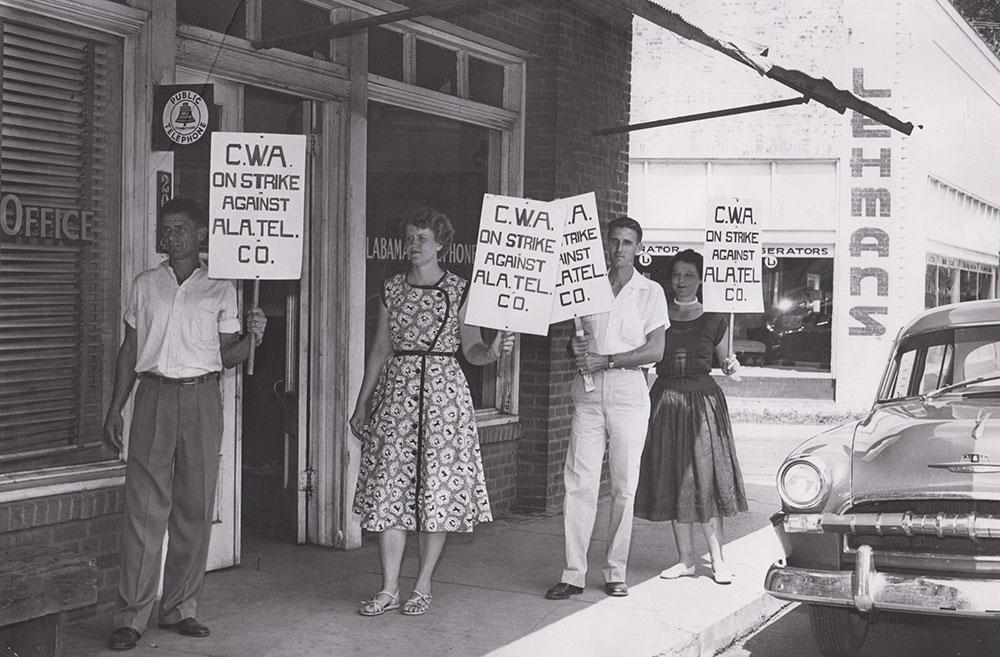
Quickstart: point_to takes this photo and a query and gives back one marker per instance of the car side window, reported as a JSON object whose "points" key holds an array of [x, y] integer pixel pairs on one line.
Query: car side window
{"points": [[901, 384], [937, 368], [984, 360]]}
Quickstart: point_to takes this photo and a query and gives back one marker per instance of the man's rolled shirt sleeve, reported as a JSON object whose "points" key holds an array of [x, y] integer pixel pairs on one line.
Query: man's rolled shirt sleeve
{"points": [[656, 311], [229, 316]]}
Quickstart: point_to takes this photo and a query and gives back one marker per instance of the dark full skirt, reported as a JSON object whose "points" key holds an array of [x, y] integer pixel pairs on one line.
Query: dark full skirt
{"points": [[689, 471]]}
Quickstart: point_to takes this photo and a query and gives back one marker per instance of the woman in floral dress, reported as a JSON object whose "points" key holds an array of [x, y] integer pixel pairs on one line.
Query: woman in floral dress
{"points": [[421, 468]]}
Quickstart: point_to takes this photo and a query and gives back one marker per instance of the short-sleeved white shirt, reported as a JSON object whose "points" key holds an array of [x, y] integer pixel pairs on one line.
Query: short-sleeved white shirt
{"points": [[178, 326], [639, 308]]}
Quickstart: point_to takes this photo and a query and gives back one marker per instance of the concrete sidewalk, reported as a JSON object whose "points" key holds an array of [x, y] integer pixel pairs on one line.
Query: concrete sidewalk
{"points": [[288, 600]]}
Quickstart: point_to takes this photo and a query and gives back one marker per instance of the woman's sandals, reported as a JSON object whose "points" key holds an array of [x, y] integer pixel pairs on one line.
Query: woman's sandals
{"points": [[677, 570], [419, 603], [382, 602]]}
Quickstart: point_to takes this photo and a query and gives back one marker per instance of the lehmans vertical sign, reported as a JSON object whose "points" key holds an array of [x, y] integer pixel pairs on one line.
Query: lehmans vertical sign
{"points": [[256, 205], [732, 257]]}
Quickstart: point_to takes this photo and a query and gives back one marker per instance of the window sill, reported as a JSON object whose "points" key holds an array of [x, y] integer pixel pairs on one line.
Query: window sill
{"points": [[492, 417], [17, 486]]}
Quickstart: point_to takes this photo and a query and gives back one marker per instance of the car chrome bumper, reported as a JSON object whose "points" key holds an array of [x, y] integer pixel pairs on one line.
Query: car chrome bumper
{"points": [[866, 589]]}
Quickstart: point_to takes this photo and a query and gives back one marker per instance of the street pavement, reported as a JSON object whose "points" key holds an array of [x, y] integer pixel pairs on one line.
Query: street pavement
{"points": [[892, 636], [289, 601]]}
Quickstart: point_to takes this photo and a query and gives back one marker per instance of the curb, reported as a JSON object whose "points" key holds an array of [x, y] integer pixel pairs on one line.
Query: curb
{"points": [[688, 617]]}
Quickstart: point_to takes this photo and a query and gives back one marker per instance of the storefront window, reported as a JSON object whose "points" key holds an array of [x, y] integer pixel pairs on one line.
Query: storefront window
{"points": [[417, 159], [385, 53], [794, 331], [60, 198], [486, 82], [283, 17], [951, 280], [222, 16], [437, 68]]}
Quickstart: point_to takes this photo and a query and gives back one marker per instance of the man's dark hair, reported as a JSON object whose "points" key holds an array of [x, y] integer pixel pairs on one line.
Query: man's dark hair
{"points": [[186, 206], [626, 222]]}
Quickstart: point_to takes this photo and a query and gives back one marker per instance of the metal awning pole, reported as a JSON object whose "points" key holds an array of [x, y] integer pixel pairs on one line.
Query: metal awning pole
{"points": [[745, 109]]}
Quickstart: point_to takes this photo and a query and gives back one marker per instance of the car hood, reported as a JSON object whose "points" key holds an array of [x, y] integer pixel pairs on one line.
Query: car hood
{"points": [[896, 445]]}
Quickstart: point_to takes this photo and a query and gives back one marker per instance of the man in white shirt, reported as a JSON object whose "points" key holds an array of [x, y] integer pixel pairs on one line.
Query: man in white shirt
{"points": [[181, 329], [613, 348]]}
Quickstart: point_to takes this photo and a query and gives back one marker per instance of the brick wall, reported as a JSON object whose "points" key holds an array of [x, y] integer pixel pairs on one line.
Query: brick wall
{"points": [[577, 81], [88, 523], [499, 450]]}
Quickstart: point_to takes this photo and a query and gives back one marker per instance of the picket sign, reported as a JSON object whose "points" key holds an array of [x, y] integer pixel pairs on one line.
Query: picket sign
{"points": [[732, 278], [256, 208], [538, 263]]}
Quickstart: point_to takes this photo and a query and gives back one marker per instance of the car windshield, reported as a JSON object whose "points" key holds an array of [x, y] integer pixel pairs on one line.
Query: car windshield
{"points": [[930, 364]]}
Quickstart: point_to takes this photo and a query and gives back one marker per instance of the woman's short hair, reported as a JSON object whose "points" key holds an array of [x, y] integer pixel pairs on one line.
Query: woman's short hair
{"points": [[691, 257], [626, 222], [437, 222]]}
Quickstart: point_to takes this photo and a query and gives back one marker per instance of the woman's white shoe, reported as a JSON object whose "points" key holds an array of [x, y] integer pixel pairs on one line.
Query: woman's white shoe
{"points": [[722, 574], [677, 570]]}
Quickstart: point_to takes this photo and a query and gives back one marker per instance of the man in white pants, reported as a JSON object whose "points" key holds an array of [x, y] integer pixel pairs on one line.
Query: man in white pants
{"points": [[613, 348]]}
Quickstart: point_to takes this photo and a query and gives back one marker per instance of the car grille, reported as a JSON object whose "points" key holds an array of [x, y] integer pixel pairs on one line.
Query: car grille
{"points": [[929, 544]]}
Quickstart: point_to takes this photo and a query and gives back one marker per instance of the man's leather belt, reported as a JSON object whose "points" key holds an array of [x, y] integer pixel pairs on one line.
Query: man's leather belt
{"points": [[186, 381]]}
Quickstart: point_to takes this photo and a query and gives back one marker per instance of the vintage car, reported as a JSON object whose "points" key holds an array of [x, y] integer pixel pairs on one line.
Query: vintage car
{"points": [[900, 511]]}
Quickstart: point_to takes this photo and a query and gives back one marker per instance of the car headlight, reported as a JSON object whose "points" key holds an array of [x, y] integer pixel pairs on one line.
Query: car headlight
{"points": [[803, 483]]}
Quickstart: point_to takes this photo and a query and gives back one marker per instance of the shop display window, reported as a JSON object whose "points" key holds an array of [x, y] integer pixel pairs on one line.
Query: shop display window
{"points": [[437, 68], [385, 53], [283, 17], [795, 329], [951, 280], [222, 16], [417, 159], [60, 224], [412, 59], [486, 82]]}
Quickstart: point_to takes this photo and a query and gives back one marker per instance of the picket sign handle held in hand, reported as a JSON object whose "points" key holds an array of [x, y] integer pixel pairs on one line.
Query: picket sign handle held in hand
{"points": [[734, 375], [253, 340], [588, 380]]}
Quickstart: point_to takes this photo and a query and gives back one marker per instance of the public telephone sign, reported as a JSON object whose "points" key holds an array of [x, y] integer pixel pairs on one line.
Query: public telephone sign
{"points": [[256, 205], [731, 282]]}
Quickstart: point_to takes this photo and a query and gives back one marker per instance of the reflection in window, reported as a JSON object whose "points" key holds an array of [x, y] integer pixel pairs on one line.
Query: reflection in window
{"points": [[416, 159], [795, 328], [937, 366], [437, 68], [486, 82], [223, 16], [950, 280], [903, 374], [283, 17], [385, 53]]}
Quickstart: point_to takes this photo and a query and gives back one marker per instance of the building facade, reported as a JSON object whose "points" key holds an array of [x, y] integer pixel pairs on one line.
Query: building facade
{"points": [[863, 226], [498, 98]]}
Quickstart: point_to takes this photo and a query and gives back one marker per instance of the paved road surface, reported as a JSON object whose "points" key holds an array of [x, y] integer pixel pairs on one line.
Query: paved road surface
{"points": [[895, 636]]}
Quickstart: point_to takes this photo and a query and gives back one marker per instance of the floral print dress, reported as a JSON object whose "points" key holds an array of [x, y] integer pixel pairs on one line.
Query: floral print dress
{"points": [[421, 467]]}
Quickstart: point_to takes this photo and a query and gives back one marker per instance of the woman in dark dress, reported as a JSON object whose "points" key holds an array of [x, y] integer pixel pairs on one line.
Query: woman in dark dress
{"points": [[689, 472]]}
